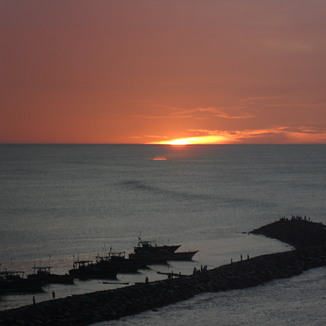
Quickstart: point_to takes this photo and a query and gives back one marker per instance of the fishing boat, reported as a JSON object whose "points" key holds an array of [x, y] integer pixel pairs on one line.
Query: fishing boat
{"points": [[118, 261], [145, 246], [14, 281], [43, 273], [150, 253], [86, 269]]}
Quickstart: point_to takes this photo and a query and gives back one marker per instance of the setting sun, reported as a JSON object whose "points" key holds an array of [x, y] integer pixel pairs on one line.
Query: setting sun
{"points": [[184, 141], [196, 140]]}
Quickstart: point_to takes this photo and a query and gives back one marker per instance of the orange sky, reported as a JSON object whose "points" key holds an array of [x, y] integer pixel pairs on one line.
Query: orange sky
{"points": [[113, 71]]}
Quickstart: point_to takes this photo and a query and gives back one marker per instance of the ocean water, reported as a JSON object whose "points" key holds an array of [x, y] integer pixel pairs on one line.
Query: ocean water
{"points": [[60, 202]]}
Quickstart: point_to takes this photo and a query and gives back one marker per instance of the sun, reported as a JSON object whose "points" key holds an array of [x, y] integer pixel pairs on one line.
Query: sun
{"points": [[184, 141], [181, 141], [196, 140]]}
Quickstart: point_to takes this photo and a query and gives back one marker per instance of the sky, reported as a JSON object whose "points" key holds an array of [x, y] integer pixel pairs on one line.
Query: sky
{"points": [[163, 71]]}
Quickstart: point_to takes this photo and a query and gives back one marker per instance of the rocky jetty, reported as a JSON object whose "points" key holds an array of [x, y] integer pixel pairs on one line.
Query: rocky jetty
{"points": [[112, 304], [297, 231]]}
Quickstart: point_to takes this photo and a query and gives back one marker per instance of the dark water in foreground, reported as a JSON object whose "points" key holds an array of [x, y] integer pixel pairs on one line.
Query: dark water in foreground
{"points": [[57, 201]]}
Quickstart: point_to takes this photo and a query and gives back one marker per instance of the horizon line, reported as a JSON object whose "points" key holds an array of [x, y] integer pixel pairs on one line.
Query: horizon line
{"points": [[157, 144]]}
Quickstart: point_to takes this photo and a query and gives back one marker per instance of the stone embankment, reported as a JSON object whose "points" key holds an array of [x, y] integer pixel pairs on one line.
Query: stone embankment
{"points": [[112, 304], [297, 231]]}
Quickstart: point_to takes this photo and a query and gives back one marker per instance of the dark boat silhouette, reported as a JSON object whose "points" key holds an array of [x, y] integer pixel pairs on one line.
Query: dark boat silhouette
{"points": [[150, 246], [118, 262], [14, 281], [86, 269], [150, 253], [43, 274]]}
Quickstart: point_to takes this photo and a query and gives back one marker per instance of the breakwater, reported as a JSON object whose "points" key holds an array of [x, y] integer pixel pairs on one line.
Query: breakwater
{"points": [[112, 304]]}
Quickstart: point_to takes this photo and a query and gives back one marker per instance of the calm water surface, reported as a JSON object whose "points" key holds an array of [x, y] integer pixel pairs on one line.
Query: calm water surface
{"points": [[60, 201]]}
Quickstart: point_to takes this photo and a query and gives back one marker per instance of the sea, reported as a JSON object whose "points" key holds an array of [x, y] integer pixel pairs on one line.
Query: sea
{"points": [[61, 203]]}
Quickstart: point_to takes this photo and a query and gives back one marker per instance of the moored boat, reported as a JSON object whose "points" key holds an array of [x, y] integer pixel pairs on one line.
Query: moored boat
{"points": [[14, 281], [162, 257], [145, 246], [148, 253], [118, 261], [86, 269], [43, 273]]}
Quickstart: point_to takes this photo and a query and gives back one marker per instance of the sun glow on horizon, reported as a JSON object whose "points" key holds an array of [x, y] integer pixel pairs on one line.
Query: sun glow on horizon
{"points": [[278, 135], [201, 140]]}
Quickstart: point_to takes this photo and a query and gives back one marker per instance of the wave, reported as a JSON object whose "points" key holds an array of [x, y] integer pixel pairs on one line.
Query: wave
{"points": [[227, 200], [155, 190]]}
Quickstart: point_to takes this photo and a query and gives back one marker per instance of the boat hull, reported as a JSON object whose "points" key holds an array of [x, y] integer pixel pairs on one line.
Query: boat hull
{"points": [[163, 257], [52, 278], [94, 271], [20, 286]]}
